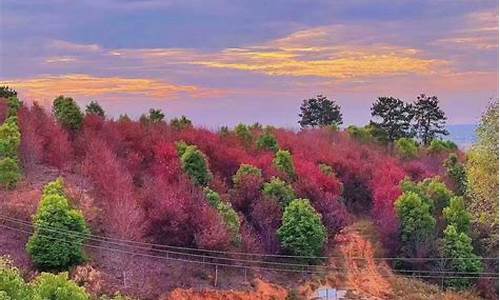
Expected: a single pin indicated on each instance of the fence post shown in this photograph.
(215, 279)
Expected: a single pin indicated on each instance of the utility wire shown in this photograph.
(161, 246)
(431, 274)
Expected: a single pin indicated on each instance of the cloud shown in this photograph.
(48, 87)
(478, 31)
(318, 52)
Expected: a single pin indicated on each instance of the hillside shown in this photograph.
(174, 211)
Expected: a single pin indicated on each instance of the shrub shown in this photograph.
(12, 285)
(195, 164)
(10, 138)
(10, 173)
(279, 191)
(266, 217)
(267, 141)
(93, 108)
(59, 287)
(67, 112)
(456, 171)
(181, 123)
(407, 148)
(456, 214)
(302, 232)
(244, 171)
(439, 146)
(60, 230)
(458, 247)
(284, 163)
(417, 223)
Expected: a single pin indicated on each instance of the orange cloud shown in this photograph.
(86, 85)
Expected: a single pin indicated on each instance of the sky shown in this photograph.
(222, 62)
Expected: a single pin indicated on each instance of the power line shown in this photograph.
(160, 246)
(430, 274)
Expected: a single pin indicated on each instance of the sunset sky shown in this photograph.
(228, 61)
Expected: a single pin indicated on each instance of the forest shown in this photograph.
(75, 183)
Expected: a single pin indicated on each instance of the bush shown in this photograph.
(10, 173)
(267, 141)
(195, 164)
(93, 108)
(181, 123)
(456, 214)
(302, 232)
(284, 163)
(458, 247)
(10, 138)
(439, 146)
(279, 190)
(60, 230)
(230, 217)
(416, 223)
(244, 171)
(407, 148)
(12, 285)
(58, 287)
(67, 112)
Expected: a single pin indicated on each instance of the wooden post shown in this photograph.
(246, 280)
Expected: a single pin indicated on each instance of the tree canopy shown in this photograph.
(319, 112)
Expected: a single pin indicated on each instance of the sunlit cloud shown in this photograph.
(48, 87)
(60, 59)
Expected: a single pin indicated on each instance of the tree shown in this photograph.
(302, 232)
(60, 231)
(482, 178)
(458, 247)
(228, 214)
(244, 134)
(456, 171)
(93, 108)
(455, 214)
(284, 163)
(10, 138)
(279, 191)
(67, 112)
(416, 223)
(181, 123)
(58, 287)
(10, 172)
(319, 112)
(12, 285)
(407, 148)
(395, 117)
(154, 116)
(6, 92)
(14, 105)
(244, 171)
(195, 164)
(267, 141)
(429, 119)
(439, 146)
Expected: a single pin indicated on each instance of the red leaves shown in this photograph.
(43, 140)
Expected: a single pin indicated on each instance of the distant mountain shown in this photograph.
(464, 135)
